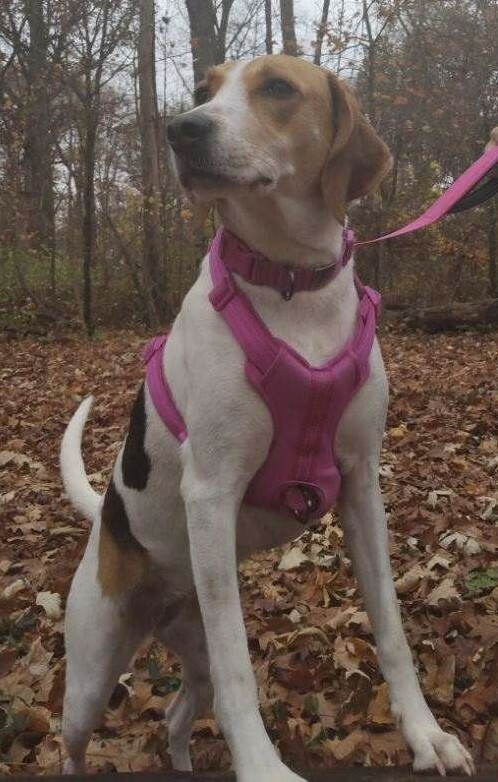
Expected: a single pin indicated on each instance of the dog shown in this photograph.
(281, 147)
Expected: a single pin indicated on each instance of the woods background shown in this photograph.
(95, 234)
(93, 228)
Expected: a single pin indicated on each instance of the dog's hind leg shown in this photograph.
(100, 640)
(185, 636)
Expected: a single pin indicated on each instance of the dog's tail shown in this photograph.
(74, 477)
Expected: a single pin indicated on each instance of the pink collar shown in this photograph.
(287, 280)
(255, 268)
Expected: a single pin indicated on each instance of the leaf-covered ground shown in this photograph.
(321, 693)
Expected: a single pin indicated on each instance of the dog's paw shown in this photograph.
(435, 749)
(70, 767)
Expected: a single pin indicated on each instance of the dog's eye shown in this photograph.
(278, 88)
(201, 95)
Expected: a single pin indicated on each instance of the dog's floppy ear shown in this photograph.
(358, 159)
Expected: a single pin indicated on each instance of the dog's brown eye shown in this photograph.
(201, 95)
(278, 88)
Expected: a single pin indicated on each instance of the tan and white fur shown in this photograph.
(281, 164)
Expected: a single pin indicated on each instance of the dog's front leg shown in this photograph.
(212, 507)
(364, 522)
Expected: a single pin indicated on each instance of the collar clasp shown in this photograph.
(288, 291)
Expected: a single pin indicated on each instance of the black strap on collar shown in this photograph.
(477, 196)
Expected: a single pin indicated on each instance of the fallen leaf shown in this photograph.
(410, 580)
(50, 602)
(379, 710)
(445, 591)
(292, 559)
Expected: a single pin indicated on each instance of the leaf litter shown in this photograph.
(322, 696)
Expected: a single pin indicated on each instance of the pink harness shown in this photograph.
(306, 403)
(300, 473)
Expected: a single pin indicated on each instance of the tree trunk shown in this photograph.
(38, 141)
(89, 215)
(151, 175)
(203, 41)
(268, 28)
(320, 35)
(372, 64)
(288, 27)
(221, 36)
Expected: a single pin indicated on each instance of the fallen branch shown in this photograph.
(451, 317)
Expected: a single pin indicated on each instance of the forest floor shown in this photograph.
(322, 696)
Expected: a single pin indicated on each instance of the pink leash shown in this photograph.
(253, 267)
(449, 199)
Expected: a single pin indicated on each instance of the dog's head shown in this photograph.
(277, 123)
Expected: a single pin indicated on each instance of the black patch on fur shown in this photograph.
(116, 521)
(136, 462)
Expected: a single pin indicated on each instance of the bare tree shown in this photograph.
(221, 29)
(209, 25)
(268, 28)
(102, 27)
(202, 19)
(320, 34)
(288, 24)
(39, 149)
(149, 132)
(24, 27)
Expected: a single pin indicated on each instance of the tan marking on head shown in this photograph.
(358, 159)
(283, 123)
(330, 142)
(212, 82)
(307, 81)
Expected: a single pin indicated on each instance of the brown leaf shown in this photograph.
(490, 742)
(445, 591)
(379, 710)
(344, 749)
(7, 659)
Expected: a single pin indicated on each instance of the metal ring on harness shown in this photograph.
(312, 504)
(309, 495)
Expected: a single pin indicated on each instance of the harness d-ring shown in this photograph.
(312, 503)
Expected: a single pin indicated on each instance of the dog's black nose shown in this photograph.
(185, 130)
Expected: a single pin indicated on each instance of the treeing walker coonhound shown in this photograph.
(280, 146)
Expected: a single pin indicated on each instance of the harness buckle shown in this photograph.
(288, 291)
